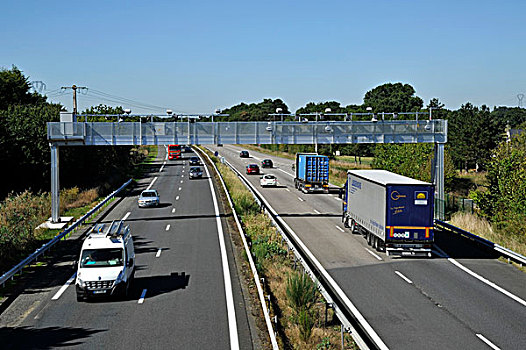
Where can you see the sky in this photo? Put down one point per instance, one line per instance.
(198, 56)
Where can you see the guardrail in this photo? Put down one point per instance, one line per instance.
(261, 295)
(348, 314)
(45, 247)
(505, 252)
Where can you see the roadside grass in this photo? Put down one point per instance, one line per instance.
(300, 326)
(21, 214)
(481, 227)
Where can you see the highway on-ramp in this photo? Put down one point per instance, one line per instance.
(462, 298)
(181, 297)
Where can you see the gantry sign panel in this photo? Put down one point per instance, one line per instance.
(164, 133)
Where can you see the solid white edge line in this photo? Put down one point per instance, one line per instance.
(158, 252)
(167, 227)
(64, 287)
(339, 228)
(403, 277)
(151, 183)
(126, 216)
(141, 299)
(488, 282)
(255, 274)
(374, 254)
(486, 340)
(358, 315)
(231, 310)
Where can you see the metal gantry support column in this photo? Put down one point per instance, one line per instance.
(55, 186)
(439, 181)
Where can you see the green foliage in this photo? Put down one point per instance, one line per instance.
(325, 344)
(514, 117)
(254, 111)
(472, 134)
(305, 321)
(504, 202)
(412, 160)
(15, 89)
(391, 98)
(245, 205)
(301, 292)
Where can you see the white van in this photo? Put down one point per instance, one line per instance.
(106, 264)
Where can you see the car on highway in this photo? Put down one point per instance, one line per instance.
(194, 161)
(244, 154)
(252, 169)
(187, 149)
(148, 198)
(268, 180)
(267, 163)
(195, 173)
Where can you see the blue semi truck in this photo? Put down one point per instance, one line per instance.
(393, 212)
(312, 173)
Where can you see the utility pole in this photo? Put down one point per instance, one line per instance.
(74, 88)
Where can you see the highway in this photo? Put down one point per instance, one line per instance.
(181, 297)
(462, 298)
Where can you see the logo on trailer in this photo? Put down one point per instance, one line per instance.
(395, 195)
(420, 197)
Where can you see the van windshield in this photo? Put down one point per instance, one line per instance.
(101, 257)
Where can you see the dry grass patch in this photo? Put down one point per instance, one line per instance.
(481, 227)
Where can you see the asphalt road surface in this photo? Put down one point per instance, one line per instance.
(465, 299)
(180, 299)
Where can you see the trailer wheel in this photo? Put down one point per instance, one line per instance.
(368, 237)
(345, 222)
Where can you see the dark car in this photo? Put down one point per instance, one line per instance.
(253, 169)
(195, 172)
(187, 149)
(194, 161)
(244, 154)
(266, 163)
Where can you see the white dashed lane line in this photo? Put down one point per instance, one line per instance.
(486, 340)
(403, 277)
(339, 228)
(167, 227)
(373, 254)
(158, 253)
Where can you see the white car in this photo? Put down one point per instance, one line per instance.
(148, 198)
(268, 180)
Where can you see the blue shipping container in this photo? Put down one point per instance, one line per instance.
(312, 168)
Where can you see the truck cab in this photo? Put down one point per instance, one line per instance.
(106, 264)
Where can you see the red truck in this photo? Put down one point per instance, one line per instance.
(174, 152)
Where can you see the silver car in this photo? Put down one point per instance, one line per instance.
(195, 172)
(149, 198)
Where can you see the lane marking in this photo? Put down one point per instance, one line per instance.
(176, 198)
(485, 340)
(339, 228)
(317, 212)
(173, 210)
(403, 277)
(286, 189)
(126, 216)
(158, 253)
(338, 198)
(182, 181)
(151, 183)
(162, 167)
(301, 199)
(180, 188)
(488, 282)
(289, 174)
(143, 294)
(231, 310)
(64, 287)
(374, 254)
(443, 254)
(167, 227)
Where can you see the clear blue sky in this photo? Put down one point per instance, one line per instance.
(196, 56)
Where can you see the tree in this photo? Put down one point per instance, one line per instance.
(513, 117)
(504, 201)
(392, 98)
(15, 89)
(254, 111)
(472, 134)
